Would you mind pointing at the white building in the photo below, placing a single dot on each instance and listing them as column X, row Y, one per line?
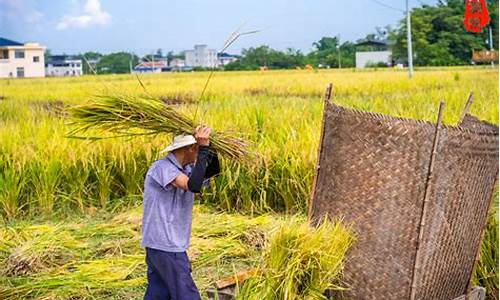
column 21, row 60
column 225, row 58
column 201, row 56
column 152, row 67
column 372, row 58
column 64, row 65
column 177, row 63
column 378, row 53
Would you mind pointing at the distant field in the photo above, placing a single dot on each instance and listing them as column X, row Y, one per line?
column 280, row 111
column 46, row 176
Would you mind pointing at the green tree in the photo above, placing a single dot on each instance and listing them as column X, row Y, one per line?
column 254, row 58
column 47, row 54
column 116, row 63
column 327, row 51
column 326, row 44
column 88, row 58
column 439, row 37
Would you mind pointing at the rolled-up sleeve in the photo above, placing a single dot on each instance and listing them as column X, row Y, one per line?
column 164, row 173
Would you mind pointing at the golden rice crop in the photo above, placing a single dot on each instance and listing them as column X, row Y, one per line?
column 301, row 262
column 44, row 173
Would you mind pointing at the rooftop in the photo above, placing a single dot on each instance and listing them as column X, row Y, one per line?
column 149, row 64
column 368, row 42
column 60, row 59
column 224, row 54
column 6, row 42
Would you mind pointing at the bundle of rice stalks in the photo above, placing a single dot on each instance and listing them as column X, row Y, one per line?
column 118, row 114
column 301, row 262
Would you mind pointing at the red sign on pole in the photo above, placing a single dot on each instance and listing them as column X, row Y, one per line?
column 476, row 15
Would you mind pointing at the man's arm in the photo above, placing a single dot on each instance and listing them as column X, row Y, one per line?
column 194, row 182
column 213, row 167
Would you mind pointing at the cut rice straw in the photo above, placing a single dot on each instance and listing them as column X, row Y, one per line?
column 119, row 113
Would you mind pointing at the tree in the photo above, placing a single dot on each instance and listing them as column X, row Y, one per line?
column 327, row 51
column 254, row 58
column 159, row 52
column 170, row 56
column 117, row 63
column 47, row 54
column 439, row 37
column 326, row 44
column 87, row 58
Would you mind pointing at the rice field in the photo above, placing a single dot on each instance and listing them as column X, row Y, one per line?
column 101, row 258
column 63, row 194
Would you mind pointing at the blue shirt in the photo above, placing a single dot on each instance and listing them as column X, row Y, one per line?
column 168, row 211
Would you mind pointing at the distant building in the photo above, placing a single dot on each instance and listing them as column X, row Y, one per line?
column 177, row 63
column 225, row 58
column 158, row 57
column 377, row 52
column 21, row 60
column 201, row 56
column 63, row 65
column 152, row 67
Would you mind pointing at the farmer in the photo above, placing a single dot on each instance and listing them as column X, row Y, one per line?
column 169, row 190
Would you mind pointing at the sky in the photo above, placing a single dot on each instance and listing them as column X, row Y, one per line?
column 142, row 26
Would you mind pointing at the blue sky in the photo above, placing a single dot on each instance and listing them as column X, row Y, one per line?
column 142, row 26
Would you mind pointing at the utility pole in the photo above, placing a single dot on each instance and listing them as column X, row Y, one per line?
column 409, row 43
column 338, row 50
column 130, row 62
column 152, row 62
column 491, row 44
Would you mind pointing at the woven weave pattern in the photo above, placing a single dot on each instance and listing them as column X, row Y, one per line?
column 373, row 171
column 466, row 170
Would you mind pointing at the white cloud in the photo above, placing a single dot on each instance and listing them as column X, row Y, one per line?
column 93, row 15
column 24, row 10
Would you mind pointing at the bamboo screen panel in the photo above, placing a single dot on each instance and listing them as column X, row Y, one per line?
column 372, row 173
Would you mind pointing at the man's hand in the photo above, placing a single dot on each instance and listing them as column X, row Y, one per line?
column 202, row 135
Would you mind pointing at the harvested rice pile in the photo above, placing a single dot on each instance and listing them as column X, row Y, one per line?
column 301, row 262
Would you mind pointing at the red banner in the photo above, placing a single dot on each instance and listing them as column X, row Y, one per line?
column 476, row 15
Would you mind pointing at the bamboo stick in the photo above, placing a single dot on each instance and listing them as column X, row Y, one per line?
column 430, row 174
column 467, row 106
column 328, row 97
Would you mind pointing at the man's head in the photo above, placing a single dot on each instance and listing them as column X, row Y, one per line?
column 188, row 153
column 186, row 146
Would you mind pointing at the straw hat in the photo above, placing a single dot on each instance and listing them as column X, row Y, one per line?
column 179, row 142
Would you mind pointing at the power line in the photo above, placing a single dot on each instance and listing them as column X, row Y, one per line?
column 388, row 6
column 423, row 3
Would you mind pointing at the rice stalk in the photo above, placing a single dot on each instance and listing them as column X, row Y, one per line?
column 37, row 249
column 486, row 273
column 119, row 114
column 98, row 258
column 301, row 262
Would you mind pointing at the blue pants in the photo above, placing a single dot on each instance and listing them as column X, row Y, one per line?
column 169, row 276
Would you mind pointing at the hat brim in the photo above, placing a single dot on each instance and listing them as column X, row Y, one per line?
column 173, row 147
